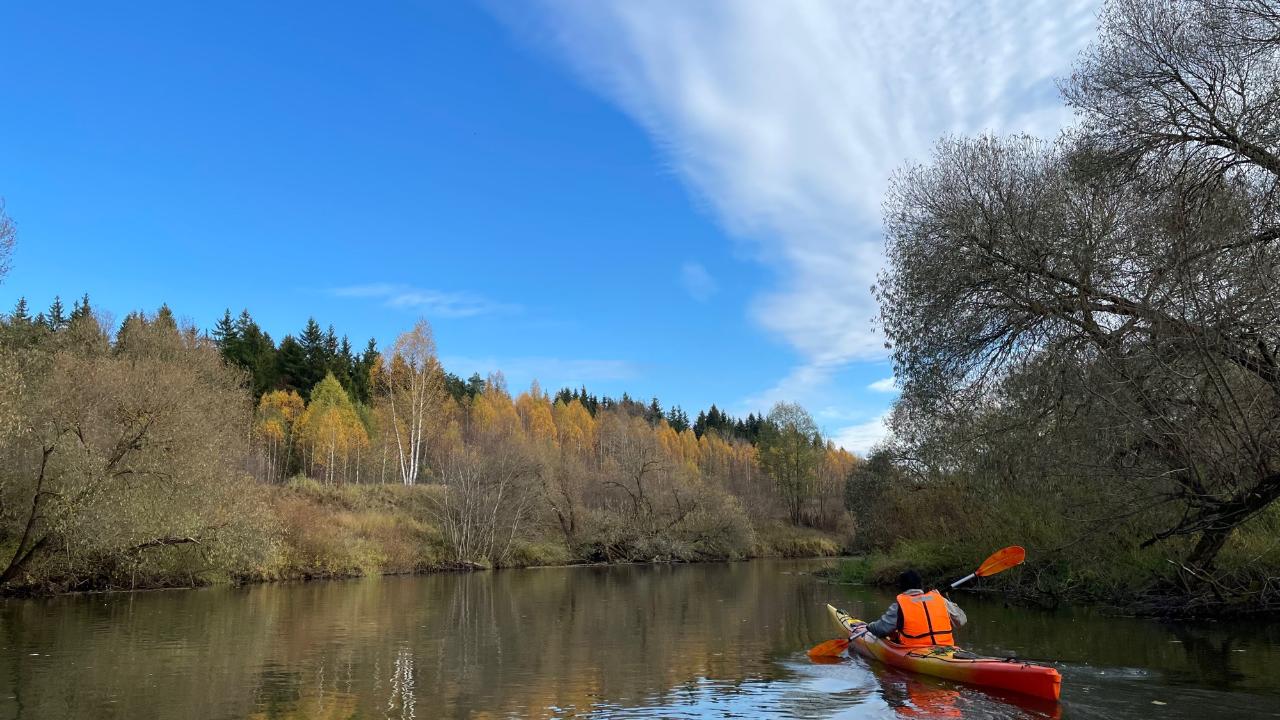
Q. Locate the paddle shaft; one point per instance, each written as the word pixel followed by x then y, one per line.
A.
pixel 964 580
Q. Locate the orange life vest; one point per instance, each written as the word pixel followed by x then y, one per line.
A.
pixel 923 620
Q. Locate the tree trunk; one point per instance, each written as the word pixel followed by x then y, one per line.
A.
pixel 22 554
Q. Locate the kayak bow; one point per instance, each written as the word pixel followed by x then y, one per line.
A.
pixel 952 663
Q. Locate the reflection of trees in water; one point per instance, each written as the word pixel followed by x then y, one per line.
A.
pixel 402 686
pixel 1211 658
pixel 509 643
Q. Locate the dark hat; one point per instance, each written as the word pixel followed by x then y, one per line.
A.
pixel 910 580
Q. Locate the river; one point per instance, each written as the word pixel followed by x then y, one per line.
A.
pixel 685 641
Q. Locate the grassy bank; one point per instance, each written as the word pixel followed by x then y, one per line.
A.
pixel 313 531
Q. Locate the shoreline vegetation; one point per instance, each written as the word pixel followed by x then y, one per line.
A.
pixel 150 454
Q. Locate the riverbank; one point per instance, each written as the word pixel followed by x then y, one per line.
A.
pixel 1135 582
pixel 311 531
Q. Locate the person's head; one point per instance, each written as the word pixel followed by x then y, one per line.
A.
pixel 910 580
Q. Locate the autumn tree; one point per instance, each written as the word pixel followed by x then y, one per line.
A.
pixel 412 383
pixel 791 452
pixel 565 476
pixel 330 428
pixel 490 481
pixel 278 413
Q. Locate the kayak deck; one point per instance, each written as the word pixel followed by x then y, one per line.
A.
pixel 952 663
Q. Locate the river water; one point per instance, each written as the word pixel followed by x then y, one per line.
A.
pixel 685 641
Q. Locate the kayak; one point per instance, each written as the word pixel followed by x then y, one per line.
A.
pixel 952 663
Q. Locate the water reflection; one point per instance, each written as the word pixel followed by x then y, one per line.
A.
pixel 687 641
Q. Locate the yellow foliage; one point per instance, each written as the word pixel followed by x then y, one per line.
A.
pixel 574 426
pixel 330 427
pixel 492 412
pixel 535 414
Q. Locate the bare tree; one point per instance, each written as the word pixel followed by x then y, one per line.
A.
pixel 8 235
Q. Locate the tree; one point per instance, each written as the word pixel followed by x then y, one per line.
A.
pixel 224 333
pixel 8 236
pixel 791 451
pixel 81 309
pixel 564 479
pixel 278 412
pixel 19 316
pixel 291 366
pixel 56 320
pixel 362 378
pixel 315 352
pixel 413 383
pixel 1126 273
pixel 534 409
pixel 678 419
pixel 104 443
pixel 331 428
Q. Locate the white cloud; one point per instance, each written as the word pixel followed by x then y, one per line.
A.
pixel 697 281
pixel 796 385
pixel 432 303
pixel 863 437
pixel 552 373
pixel 788 118
pixel 886 385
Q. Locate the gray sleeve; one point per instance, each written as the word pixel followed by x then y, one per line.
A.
pixel 958 618
pixel 886 624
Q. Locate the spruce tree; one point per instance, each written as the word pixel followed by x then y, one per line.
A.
pixel 224 333
pixel 19 317
pixel 55 320
pixel 677 419
pixel 255 351
pixel 330 343
pixel 312 341
pixel 369 360
pixel 700 424
pixel 653 413
pixel 291 367
pixel 165 319
pixel 81 309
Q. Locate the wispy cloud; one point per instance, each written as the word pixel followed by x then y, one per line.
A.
pixel 551 372
pixel 797 385
pixel 697 281
pixel 861 438
pixel 788 118
pixel 886 385
pixel 432 303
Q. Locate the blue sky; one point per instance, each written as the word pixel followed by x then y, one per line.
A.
pixel 667 198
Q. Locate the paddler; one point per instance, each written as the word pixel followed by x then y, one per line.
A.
pixel 918 618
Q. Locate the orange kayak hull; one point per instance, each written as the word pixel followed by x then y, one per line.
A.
pixel 952 663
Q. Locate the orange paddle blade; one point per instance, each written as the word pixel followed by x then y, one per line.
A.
pixel 1002 560
pixel 830 648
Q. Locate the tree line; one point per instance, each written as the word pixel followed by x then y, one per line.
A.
pixel 149 448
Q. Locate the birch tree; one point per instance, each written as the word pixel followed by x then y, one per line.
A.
pixel 413 384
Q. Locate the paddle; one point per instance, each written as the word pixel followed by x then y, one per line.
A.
pixel 999 561
pixel 830 648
